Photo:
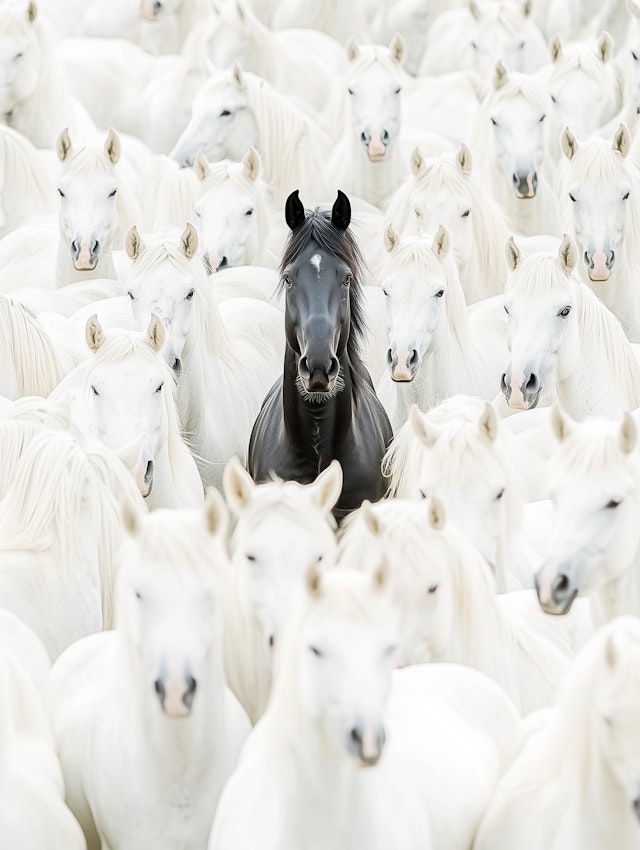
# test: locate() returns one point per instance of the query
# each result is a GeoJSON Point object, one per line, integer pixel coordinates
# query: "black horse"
{"type": "Point", "coordinates": [324, 405]}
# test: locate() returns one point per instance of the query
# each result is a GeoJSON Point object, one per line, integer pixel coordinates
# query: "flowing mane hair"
{"type": "Point", "coordinates": [168, 194]}
{"type": "Point", "coordinates": [318, 227]}
{"type": "Point", "coordinates": [25, 173]}
{"type": "Point", "coordinates": [25, 342]}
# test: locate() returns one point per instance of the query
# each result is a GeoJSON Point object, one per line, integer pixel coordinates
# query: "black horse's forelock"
{"type": "Point", "coordinates": [342, 244]}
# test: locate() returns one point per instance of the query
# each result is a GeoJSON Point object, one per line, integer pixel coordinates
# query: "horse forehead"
{"type": "Point", "coordinates": [134, 373]}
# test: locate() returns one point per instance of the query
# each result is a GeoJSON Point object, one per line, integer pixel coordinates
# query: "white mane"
{"type": "Point", "coordinates": [25, 342]}
{"type": "Point", "coordinates": [168, 194]}
{"type": "Point", "coordinates": [25, 176]}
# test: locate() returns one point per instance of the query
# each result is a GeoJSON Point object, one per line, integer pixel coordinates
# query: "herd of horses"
{"type": "Point", "coordinates": [319, 393]}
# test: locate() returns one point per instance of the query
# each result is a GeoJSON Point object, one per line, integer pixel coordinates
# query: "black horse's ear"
{"type": "Point", "coordinates": [294, 210]}
{"type": "Point", "coordinates": [341, 212]}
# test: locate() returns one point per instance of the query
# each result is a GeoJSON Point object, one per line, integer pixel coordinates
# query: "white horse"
{"type": "Point", "coordinates": [235, 109]}
{"type": "Point", "coordinates": [125, 394]}
{"type": "Point", "coordinates": [328, 16]}
{"type": "Point", "coordinates": [444, 190]}
{"type": "Point", "coordinates": [461, 453]}
{"type": "Point", "coordinates": [27, 187]}
{"type": "Point", "coordinates": [585, 87]}
{"type": "Point", "coordinates": [227, 355]}
{"type": "Point", "coordinates": [335, 708]}
{"type": "Point", "coordinates": [447, 604]}
{"type": "Point", "coordinates": [479, 34]}
{"type": "Point", "coordinates": [155, 686]}
{"type": "Point", "coordinates": [594, 547]}
{"type": "Point", "coordinates": [367, 160]}
{"type": "Point", "coordinates": [562, 338]}
{"type": "Point", "coordinates": [95, 210]}
{"type": "Point", "coordinates": [510, 140]}
{"type": "Point", "coordinates": [233, 213]}
{"type": "Point", "coordinates": [576, 783]}
{"type": "Point", "coordinates": [600, 205]}
{"type": "Point", "coordinates": [281, 529]}
{"type": "Point", "coordinates": [58, 526]}
{"type": "Point", "coordinates": [436, 348]}
{"type": "Point", "coordinates": [301, 63]}
{"type": "Point", "coordinates": [29, 361]}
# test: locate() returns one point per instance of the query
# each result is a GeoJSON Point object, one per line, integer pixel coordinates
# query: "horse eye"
{"type": "Point", "coordinates": [198, 214]}
{"type": "Point", "coordinates": [625, 196]}
{"type": "Point", "coordinates": [542, 117]}
{"type": "Point", "coordinates": [18, 56]}
{"type": "Point", "coordinates": [506, 309]}
{"type": "Point", "coordinates": [572, 198]}
{"type": "Point", "coordinates": [138, 594]}
{"type": "Point", "coordinates": [61, 193]}
{"type": "Point", "coordinates": [398, 90]}
{"type": "Point", "coordinates": [424, 494]}
{"type": "Point", "coordinates": [225, 113]}
{"type": "Point", "coordinates": [251, 558]}
{"type": "Point", "coordinates": [112, 194]}
{"type": "Point", "coordinates": [474, 45]}
{"type": "Point", "coordinates": [433, 588]}
{"type": "Point", "coordinates": [249, 212]}
{"type": "Point", "coordinates": [94, 390]}
{"type": "Point", "coordinates": [440, 293]}
{"type": "Point", "coordinates": [350, 91]}
{"type": "Point", "coordinates": [635, 55]}
{"type": "Point", "coordinates": [190, 295]}
{"type": "Point", "coordinates": [130, 294]}
{"type": "Point", "coordinates": [494, 122]}
{"type": "Point", "coordinates": [385, 292]}
{"type": "Point", "coordinates": [159, 387]}
{"type": "Point", "coordinates": [521, 45]}
{"type": "Point", "coordinates": [316, 651]}
{"type": "Point", "coordinates": [390, 650]}
{"type": "Point", "coordinates": [613, 503]}
{"type": "Point", "coordinates": [465, 214]}
{"type": "Point", "coordinates": [348, 280]}
{"type": "Point", "coordinates": [418, 213]}
{"type": "Point", "coordinates": [553, 98]}
{"type": "Point", "coordinates": [565, 311]}
{"type": "Point", "coordinates": [499, 495]}
{"type": "Point", "coordinates": [287, 281]}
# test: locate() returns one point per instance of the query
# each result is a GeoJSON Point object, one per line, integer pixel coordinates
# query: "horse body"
{"type": "Point", "coordinates": [324, 406]}
{"type": "Point", "coordinates": [156, 686]}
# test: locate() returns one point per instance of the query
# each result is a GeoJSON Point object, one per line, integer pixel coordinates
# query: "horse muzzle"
{"type": "Point", "coordinates": [376, 140]}
{"type": "Point", "coordinates": [319, 379]}
{"type": "Point", "coordinates": [403, 364]}
{"type": "Point", "coordinates": [556, 593]}
{"type": "Point", "coordinates": [85, 254]}
{"type": "Point", "coordinates": [525, 185]}
{"type": "Point", "coordinates": [524, 396]}
{"type": "Point", "coordinates": [366, 743]}
{"type": "Point", "coordinates": [599, 264]}
{"type": "Point", "coordinates": [150, 10]}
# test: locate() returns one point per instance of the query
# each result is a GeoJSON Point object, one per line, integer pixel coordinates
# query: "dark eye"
{"type": "Point", "coordinates": [225, 113]}
{"type": "Point", "coordinates": [433, 588]}
{"type": "Point", "coordinates": [418, 213]}
{"type": "Point", "coordinates": [494, 122]}
{"type": "Point", "coordinates": [350, 91]}
{"type": "Point", "coordinates": [130, 294]}
{"type": "Point", "coordinates": [440, 293]}
{"type": "Point", "coordinates": [316, 651]}
{"type": "Point", "coordinates": [465, 214]}
{"type": "Point", "coordinates": [398, 90]}
{"type": "Point", "coordinates": [613, 503]}
{"type": "Point", "coordinates": [635, 55]}
{"type": "Point", "coordinates": [572, 198]}
{"type": "Point", "coordinates": [521, 45]}
{"type": "Point", "coordinates": [159, 387]}
{"type": "Point", "coordinates": [499, 494]}
{"type": "Point", "coordinates": [61, 193]}
{"type": "Point", "coordinates": [18, 56]}
{"type": "Point", "coordinates": [553, 98]}
{"type": "Point", "coordinates": [198, 213]}
{"type": "Point", "coordinates": [474, 45]}
{"type": "Point", "coordinates": [190, 295]}
{"type": "Point", "coordinates": [542, 117]}
{"type": "Point", "coordinates": [112, 194]}
{"type": "Point", "coordinates": [506, 309]}
{"type": "Point", "coordinates": [625, 196]}
{"type": "Point", "coordinates": [565, 311]}
{"type": "Point", "coordinates": [138, 594]}
{"type": "Point", "coordinates": [249, 212]}
{"type": "Point", "coordinates": [287, 281]}
{"type": "Point", "coordinates": [251, 558]}
{"type": "Point", "coordinates": [347, 281]}
{"type": "Point", "coordinates": [94, 390]}
{"type": "Point", "coordinates": [385, 291]}
{"type": "Point", "coordinates": [424, 494]}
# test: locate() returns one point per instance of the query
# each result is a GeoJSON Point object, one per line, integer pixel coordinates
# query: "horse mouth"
{"type": "Point", "coordinates": [554, 609]}
{"type": "Point", "coordinates": [599, 276]}
{"type": "Point", "coordinates": [85, 266]}
{"type": "Point", "coordinates": [521, 197]}
{"type": "Point", "coordinates": [377, 157]}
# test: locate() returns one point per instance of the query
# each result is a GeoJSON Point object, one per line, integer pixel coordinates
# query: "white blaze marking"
{"type": "Point", "coordinates": [316, 262]}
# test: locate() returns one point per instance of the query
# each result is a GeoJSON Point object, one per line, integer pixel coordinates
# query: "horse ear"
{"type": "Point", "coordinates": [628, 434]}
{"type": "Point", "coordinates": [93, 333]}
{"type": "Point", "coordinates": [437, 515]}
{"type": "Point", "coordinates": [633, 8]}
{"type": "Point", "coordinates": [341, 211]}
{"type": "Point", "coordinates": [238, 76]}
{"type": "Point", "coordinates": [555, 48]}
{"type": "Point", "coordinates": [417, 161]}
{"type": "Point", "coordinates": [328, 486]}
{"type": "Point", "coordinates": [131, 518]}
{"type": "Point", "coordinates": [488, 422]}
{"type": "Point", "coordinates": [622, 140]}
{"type": "Point", "coordinates": [427, 434]}
{"type": "Point", "coordinates": [561, 423]}
{"type": "Point", "coordinates": [201, 166]}
{"type": "Point", "coordinates": [252, 164]}
{"type": "Point", "coordinates": [133, 243]}
{"type": "Point", "coordinates": [474, 9]}
{"type": "Point", "coordinates": [568, 254]}
{"type": "Point", "coordinates": [605, 46]}
{"type": "Point", "coordinates": [398, 48]}
{"type": "Point", "coordinates": [441, 242]}
{"type": "Point", "coordinates": [237, 485]}
{"type": "Point", "coordinates": [512, 254]}
{"type": "Point", "coordinates": [32, 12]}
{"type": "Point", "coordinates": [242, 14]}
{"type": "Point", "coordinates": [500, 76]}
{"type": "Point", "coordinates": [464, 159]}
{"type": "Point", "coordinates": [391, 238]}
{"type": "Point", "coordinates": [352, 49]}
{"type": "Point", "coordinates": [155, 332]}
{"type": "Point", "coordinates": [312, 580]}
{"type": "Point", "coordinates": [569, 143]}
{"type": "Point", "coordinates": [63, 145]}
{"type": "Point", "coordinates": [372, 521]}
{"type": "Point", "coordinates": [216, 515]}
{"type": "Point", "coordinates": [189, 241]}
{"type": "Point", "coordinates": [112, 146]}
{"type": "Point", "coordinates": [294, 210]}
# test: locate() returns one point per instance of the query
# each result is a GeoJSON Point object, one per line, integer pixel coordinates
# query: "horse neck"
{"type": "Point", "coordinates": [66, 273]}
{"type": "Point", "coordinates": [619, 292]}
{"type": "Point", "coordinates": [373, 181]}
{"type": "Point", "coordinates": [439, 375]}
{"type": "Point", "coordinates": [619, 596]}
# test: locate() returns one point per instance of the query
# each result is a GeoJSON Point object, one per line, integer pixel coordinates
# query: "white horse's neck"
{"type": "Point", "coordinates": [373, 181]}
{"type": "Point", "coordinates": [617, 597]}
{"type": "Point", "coordinates": [620, 293]}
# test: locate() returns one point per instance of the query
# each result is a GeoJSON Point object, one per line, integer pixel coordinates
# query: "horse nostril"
{"type": "Point", "coordinates": [389, 357]}
{"type": "Point", "coordinates": [560, 586]}
{"type": "Point", "coordinates": [177, 367]}
{"type": "Point", "coordinates": [157, 7]}
{"type": "Point", "coordinates": [303, 368]}
{"type": "Point", "coordinates": [503, 382]}
{"type": "Point", "coordinates": [75, 249]}
{"type": "Point", "coordinates": [516, 179]}
{"type": "Point", "coordinates": [384, 137]}
{"type": "Point", "coordinates": [532, 384]}
{"type": "Point", "coordinates": [160, 690]}
{"type": "Point", "coordinates": [413, 360]}
{"type": "Point", "coordinates": [610, 258]}
{"type": "Point", "coordinates": [365, 137]}
{"type": "Point", "coordinates": [189, 694]}
{"type": "Point", "coordinates": [223, 264]}
{"type": "Point", "coordinates": [356, 735]}
{"type": "Point", "coordinates": [334, 368]}
{"type": "Point", "coordinates": [148, 474]}
{"type": "Point", "coordinates": [272, 641]}
{"type": "Point", "coordinates": [588, 260]}
{"type": "Point", "coordinates": [94, 247]}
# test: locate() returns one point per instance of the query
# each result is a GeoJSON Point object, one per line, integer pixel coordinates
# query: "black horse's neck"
{"type": "Point", "coordinates": [316, 428]}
